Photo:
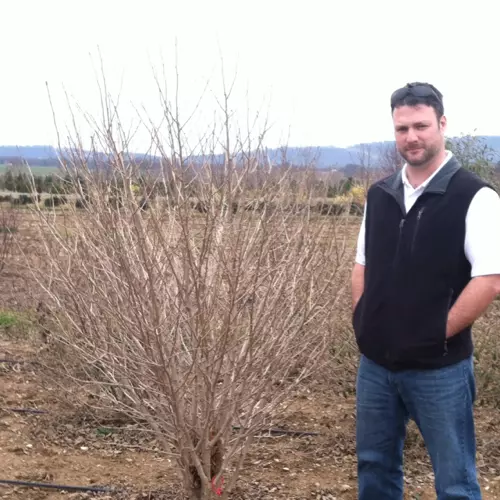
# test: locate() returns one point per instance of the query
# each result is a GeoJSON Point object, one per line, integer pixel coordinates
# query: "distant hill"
{"type": "Point", "coordinates": [28, 152]}
{"type": "Point", "coordinates": [324, 156]}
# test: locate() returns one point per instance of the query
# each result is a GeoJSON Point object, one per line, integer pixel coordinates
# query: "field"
{"type": "Point", "coordinates": [70, 444]}
{"type": "Point", "coordinates": [35, 169]}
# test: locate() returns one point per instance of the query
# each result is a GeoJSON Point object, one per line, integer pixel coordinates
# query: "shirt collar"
{"type": "Point", "coordinates": [406, 182]}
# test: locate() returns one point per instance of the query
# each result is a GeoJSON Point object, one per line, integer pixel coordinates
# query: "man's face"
{"type": "Point", "coordinates": [419, 135]}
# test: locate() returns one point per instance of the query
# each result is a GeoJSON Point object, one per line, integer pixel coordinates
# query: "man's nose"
{"type": "Point", "coordinates": [411, 136]}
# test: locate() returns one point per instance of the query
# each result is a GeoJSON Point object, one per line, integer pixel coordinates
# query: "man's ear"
{"type": "Point", "coordinates": [443, 123]}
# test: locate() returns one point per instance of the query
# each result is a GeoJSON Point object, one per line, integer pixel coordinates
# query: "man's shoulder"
{"type": "Point", "coordinates": [485, 200]}
{"type": "Point", "coordinates": [390, 181]}
{"type": "Point", "coordinates": [471, 179]}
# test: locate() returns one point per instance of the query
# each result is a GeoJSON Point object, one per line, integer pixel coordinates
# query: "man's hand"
{"type": "Point", "coordinates": [357, 283]}
{"type": "Point", "coordinates": [472, 302]}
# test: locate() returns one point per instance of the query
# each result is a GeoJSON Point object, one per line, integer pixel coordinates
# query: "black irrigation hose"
{"type": "Point", "coordinates": [275, 431]}
{"type": "Point", "coordinates": [97, 489]}
{"type": "Point", "coordinates": [272, 431]}
{"type": "Point", "coordinates": [291, 433]}
{"type": "Point", "coordinates": [94, 489]}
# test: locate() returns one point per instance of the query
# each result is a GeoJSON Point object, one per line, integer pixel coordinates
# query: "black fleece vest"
{"type": "Point", "coordinates": [415, 269]}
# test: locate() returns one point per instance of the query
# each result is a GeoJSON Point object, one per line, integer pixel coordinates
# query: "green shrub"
{"type": "Point", "coordinates": [55, 201]}
{"type": "Point", "coordinates": [26, 199]}
{"type": "Point", "coordinates": [79, 203]}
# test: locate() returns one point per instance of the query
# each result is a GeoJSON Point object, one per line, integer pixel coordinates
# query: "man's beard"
{"type": "Point", "coordinates": [427, 154]}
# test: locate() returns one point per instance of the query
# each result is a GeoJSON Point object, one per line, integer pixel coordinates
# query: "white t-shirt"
{"type": "Point", "coordinates": [482, 226]}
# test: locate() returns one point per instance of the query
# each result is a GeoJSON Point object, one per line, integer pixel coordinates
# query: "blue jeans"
{"type": "Point", "coordinates": [441, 404]}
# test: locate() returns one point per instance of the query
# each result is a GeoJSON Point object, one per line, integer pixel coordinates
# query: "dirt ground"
{"type": "Point", "coordinates": [70, 446]}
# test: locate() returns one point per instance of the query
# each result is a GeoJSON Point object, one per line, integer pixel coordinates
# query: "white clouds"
{"type": "Point", "coordinates": [327, 66]}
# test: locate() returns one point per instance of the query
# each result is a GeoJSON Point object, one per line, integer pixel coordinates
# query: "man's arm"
{"type": "Point", "coordinates": [472, 302]}
{"type": "Point", "coordinates": [482, 249]}
{"type": "Point", "coordinates": [357, 283]}
{"type": "Point", "coordinates": [358, 272]}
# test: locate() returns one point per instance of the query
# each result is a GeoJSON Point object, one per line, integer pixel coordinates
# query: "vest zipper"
{"type": "Point", "coordinates": [419, 216]}
{"type": "Point", "coordinates": [401, 224]}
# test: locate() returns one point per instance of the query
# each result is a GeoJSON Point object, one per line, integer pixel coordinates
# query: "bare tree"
{"type": "Point", "coordinates": [9, 225]}
{"type": "Point", "coordinates": [367, 171]}
{"type": "Point", "coordinates": [389, 159]}
{"type": "Point", "coordinates": [200, 314]}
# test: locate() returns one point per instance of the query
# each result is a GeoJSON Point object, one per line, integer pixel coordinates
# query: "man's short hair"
{"type": "Point", "coordinates": [416, 93]}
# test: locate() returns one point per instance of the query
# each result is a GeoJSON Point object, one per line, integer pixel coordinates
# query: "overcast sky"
{"type": "Point", "coordinates": [323, 71]}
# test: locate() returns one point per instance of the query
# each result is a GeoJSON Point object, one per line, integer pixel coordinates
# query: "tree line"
{"type": "Point", "coordinates": [21, 182]}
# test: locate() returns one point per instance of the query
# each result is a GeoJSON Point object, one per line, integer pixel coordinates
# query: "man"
{"type": "Point", "coordinates": [427, 266]}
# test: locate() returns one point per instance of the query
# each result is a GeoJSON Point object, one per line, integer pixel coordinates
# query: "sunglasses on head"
{"type": "Point", "coordinates": [414, 90]}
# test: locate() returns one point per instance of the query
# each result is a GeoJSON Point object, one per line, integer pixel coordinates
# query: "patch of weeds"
{"type": "Point", "coordinates": [7, 319]}
{"type": "Point", "coordinates": [15, 324]}
{"type": "Point", "coordinates": [103, 431]}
